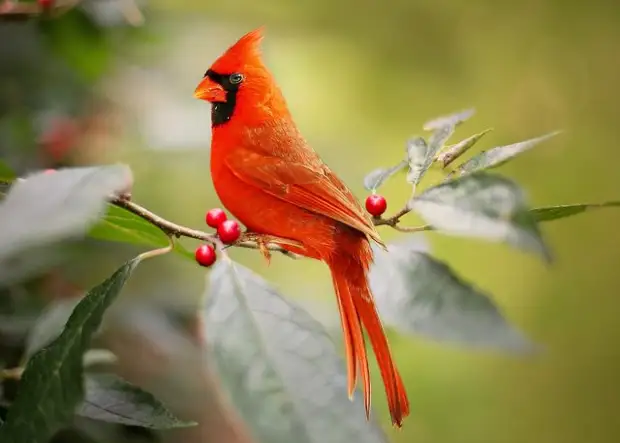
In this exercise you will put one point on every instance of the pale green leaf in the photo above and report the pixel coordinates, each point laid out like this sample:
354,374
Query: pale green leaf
451,153
376,178
420,295
550,213
44,209
484,206
449,120
278,364
499,155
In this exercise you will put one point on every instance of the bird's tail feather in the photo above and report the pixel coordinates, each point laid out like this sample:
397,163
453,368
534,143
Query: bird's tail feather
357,311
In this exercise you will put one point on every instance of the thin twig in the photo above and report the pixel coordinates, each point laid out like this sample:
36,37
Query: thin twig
173,229
410,229
393,220
11,373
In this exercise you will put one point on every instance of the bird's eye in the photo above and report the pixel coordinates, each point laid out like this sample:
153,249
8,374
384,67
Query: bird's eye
235,78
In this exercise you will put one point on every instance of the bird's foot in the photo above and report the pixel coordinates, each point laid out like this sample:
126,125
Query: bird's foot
266,243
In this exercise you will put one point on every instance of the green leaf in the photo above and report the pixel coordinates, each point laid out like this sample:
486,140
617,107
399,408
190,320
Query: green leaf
376,178
120,225
499,155
449,120
51,385
484,206
44,209
451,153
420,295
421,155
111,399
278,364
50,324
550,213
6,173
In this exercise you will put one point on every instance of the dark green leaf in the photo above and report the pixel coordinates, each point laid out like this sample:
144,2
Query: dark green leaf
279,365
51,385
111,399
44,209
50,324
449,120
500,155
6,173
377,177
484,206
550,213
451,153
420,295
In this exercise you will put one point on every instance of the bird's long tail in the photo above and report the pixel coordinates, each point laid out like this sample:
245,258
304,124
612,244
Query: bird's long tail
357,311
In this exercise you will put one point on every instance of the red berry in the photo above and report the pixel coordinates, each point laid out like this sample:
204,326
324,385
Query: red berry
229,231
45,4
376,204
216,217
49,171
205,255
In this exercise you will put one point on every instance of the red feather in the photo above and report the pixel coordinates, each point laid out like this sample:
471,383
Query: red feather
266,174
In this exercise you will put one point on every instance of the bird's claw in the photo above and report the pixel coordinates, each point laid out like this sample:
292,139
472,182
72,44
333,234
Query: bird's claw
263,242
262,247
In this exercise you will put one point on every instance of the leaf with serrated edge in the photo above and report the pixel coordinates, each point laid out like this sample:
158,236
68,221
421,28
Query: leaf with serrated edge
51,385
452,152
550,213
501,154
417,294
449,120
6,173
484,206
111,399
44,209
376,178
278,364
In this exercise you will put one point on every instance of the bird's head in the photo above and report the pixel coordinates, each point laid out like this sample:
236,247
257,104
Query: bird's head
238,79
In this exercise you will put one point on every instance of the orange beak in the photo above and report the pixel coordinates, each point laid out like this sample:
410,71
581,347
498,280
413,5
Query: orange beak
210,91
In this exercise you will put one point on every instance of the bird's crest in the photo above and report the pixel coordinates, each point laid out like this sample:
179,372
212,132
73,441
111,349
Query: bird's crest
246,52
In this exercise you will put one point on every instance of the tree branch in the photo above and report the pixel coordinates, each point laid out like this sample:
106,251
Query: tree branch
175,230
248,240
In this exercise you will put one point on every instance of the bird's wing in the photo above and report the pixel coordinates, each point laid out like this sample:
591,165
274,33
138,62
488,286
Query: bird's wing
311,186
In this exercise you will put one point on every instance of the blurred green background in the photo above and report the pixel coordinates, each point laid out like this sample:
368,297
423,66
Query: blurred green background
361,77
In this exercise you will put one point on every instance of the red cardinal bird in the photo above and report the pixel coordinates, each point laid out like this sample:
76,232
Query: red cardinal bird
272,181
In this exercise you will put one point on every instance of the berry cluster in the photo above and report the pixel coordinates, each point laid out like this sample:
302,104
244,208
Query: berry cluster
227,230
